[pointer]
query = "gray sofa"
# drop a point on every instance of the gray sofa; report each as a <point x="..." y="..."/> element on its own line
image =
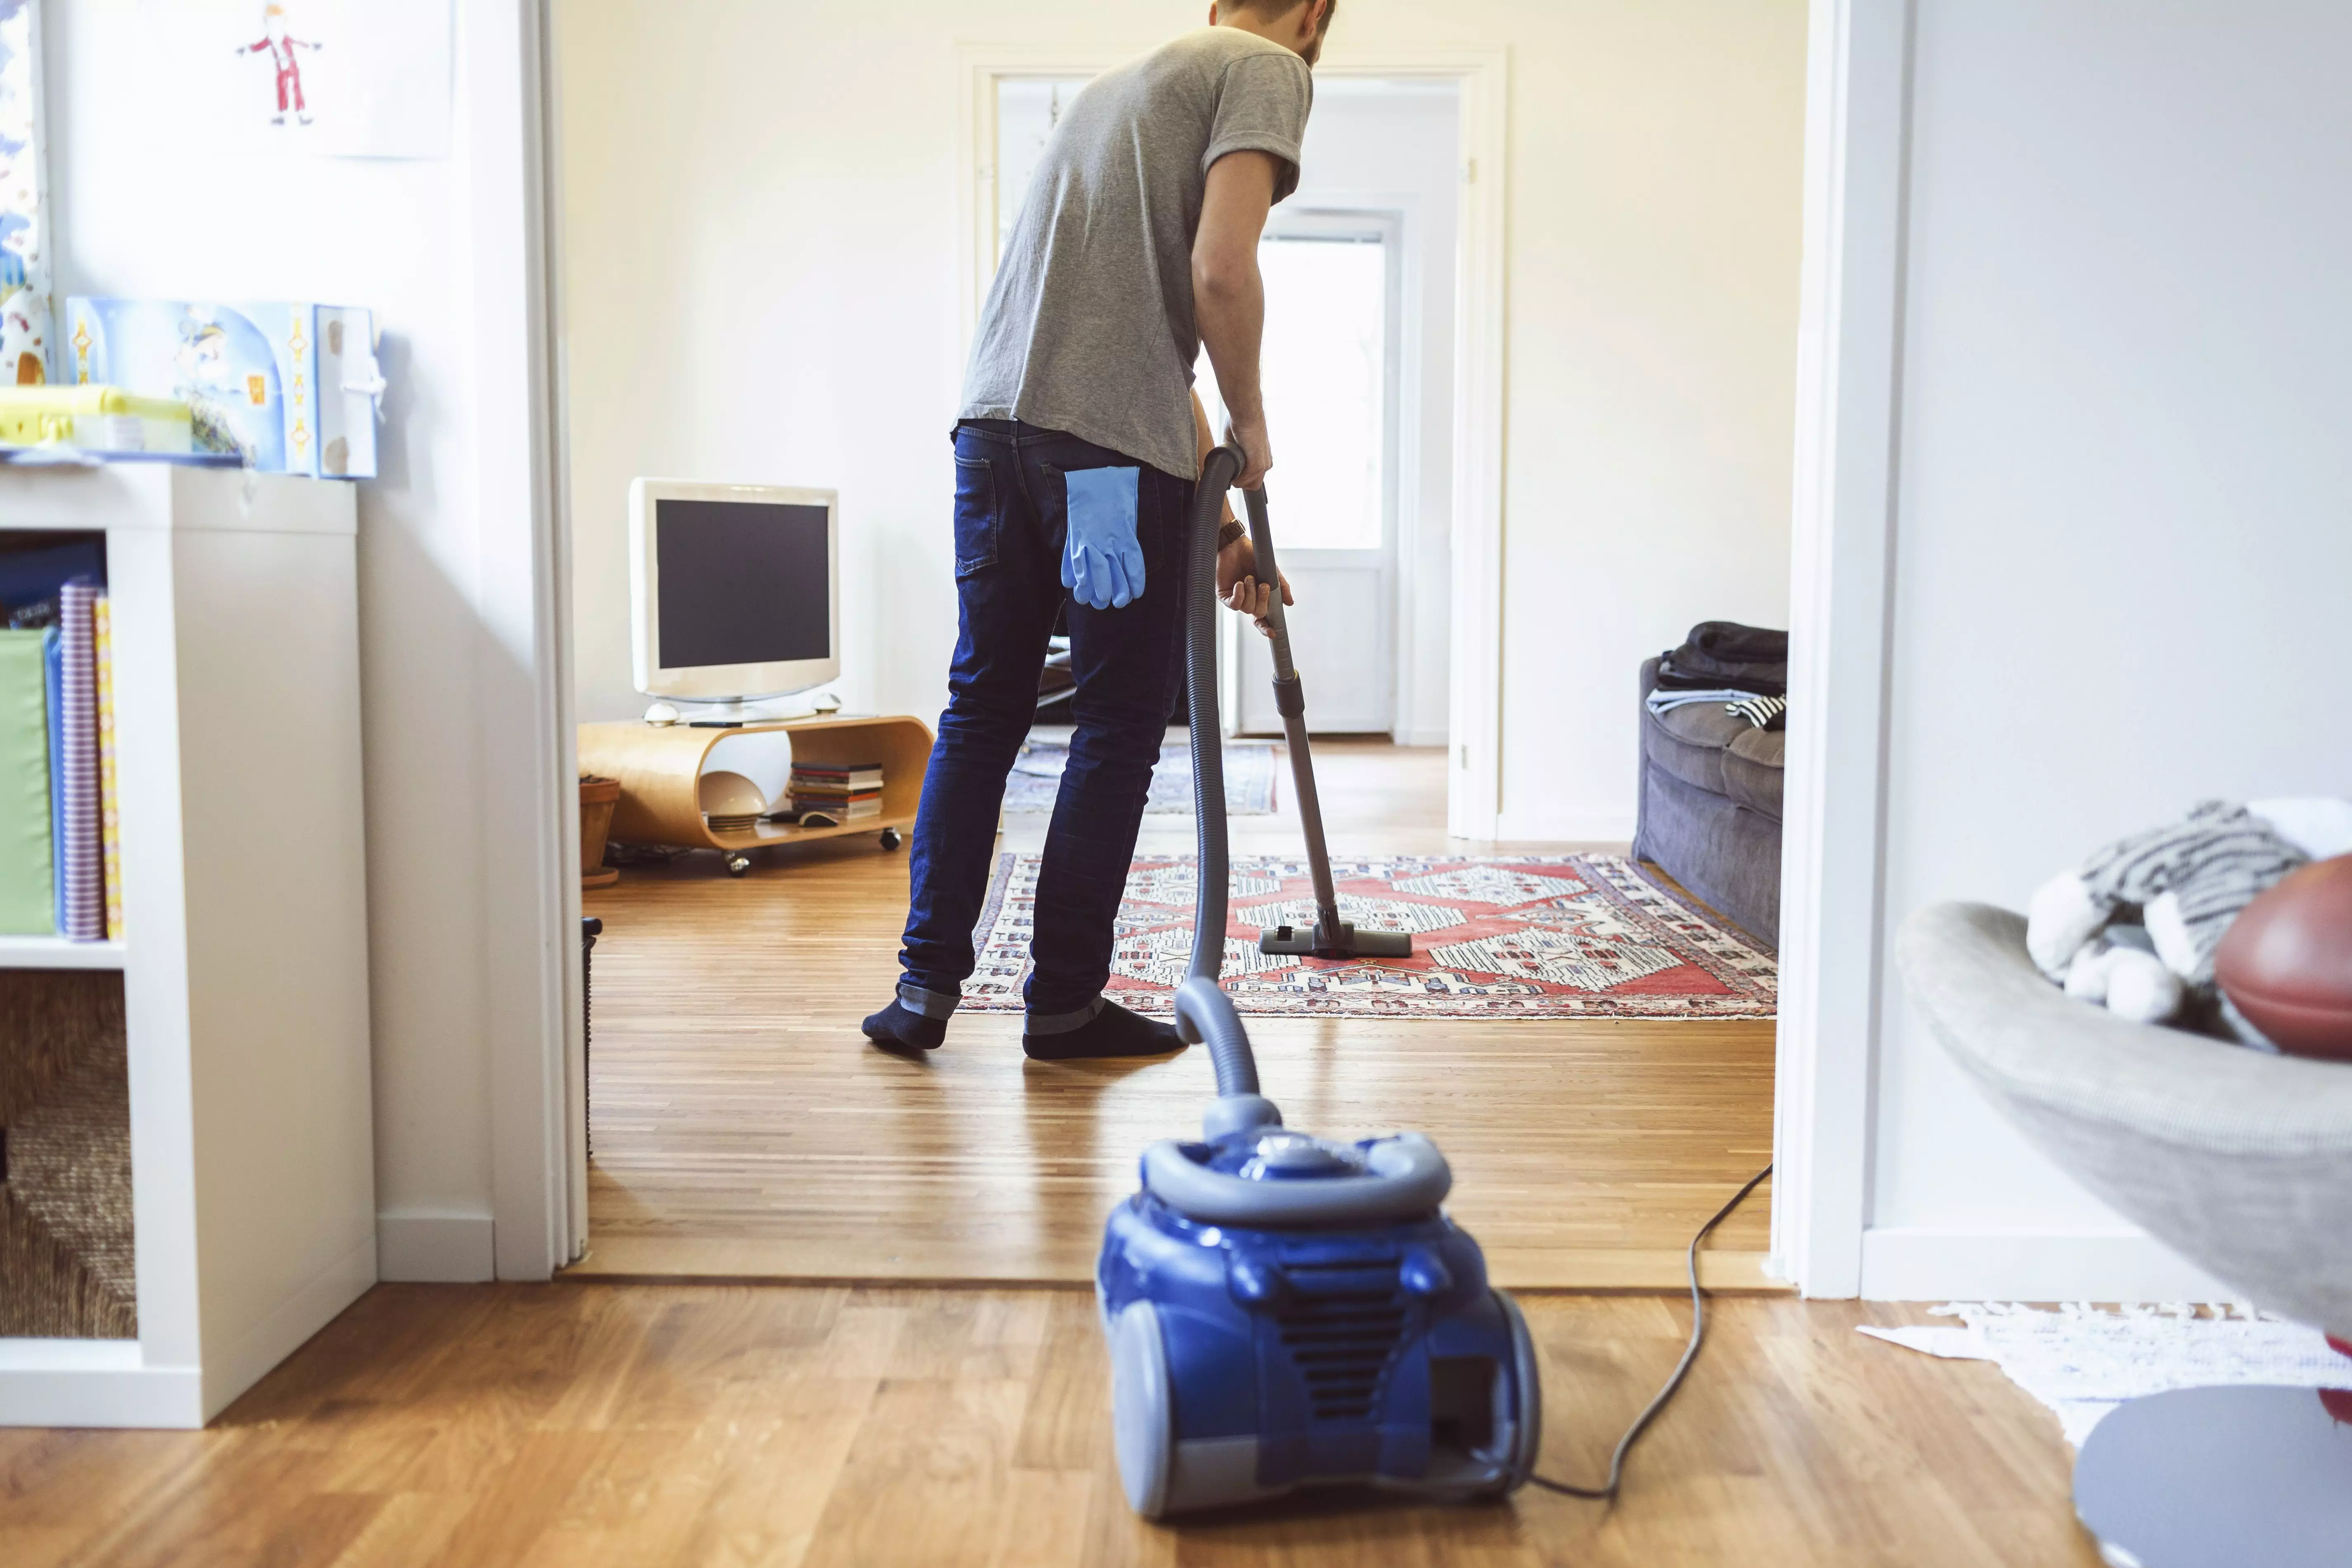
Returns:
<point x="1710" y="808"/>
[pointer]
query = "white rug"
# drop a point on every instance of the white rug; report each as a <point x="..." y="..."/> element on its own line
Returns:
<point x="2082" y="1361"/>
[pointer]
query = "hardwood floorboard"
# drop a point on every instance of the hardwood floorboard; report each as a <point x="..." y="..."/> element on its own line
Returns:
<point x="646" y="1425"/>
<point x="743" y="1128"/>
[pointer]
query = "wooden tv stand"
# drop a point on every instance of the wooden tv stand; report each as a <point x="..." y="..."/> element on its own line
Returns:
<point x="660" y="770"/>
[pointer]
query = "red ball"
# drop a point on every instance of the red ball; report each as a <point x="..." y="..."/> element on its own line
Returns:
<point x="2286" y="961"/>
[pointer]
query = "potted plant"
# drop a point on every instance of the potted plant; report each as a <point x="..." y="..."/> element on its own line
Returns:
<point x="597" y="798"/>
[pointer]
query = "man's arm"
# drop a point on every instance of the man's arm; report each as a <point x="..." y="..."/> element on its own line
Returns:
<point x="1229" y="298"/>
<point x="1204" y="442"/>
<point x="1237" y="557"/>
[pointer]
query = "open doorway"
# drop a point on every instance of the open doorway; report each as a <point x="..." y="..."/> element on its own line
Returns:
<point x="740" y="1126"/>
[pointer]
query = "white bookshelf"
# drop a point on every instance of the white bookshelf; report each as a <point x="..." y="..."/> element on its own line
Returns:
<point x="236" y="655"/>
<point x="57" y="953"/>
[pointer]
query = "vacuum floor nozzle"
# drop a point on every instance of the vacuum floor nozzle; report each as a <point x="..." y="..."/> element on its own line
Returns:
<point x="1319" y="941"/>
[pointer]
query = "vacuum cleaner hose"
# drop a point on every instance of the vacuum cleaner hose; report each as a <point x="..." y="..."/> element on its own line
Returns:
<point x="1204" y="1014"/>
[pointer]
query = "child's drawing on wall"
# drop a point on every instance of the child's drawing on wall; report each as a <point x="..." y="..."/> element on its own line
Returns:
<point x="281" y="46"/>
<point x="316" y="78"/>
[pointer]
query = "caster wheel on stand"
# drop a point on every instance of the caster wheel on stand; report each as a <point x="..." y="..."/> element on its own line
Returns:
<point x="890" y="840"/>
<point x="737" y="864"/>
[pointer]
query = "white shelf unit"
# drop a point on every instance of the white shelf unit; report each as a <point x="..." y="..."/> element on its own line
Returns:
<point x="236" y="650"/>
<point x="57" y="953"/>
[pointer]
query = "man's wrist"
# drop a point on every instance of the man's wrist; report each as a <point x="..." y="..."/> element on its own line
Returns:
<point x="1232" y="533"/>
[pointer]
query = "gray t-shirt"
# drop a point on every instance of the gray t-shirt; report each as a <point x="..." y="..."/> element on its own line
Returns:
<point x="1089" y="325"/>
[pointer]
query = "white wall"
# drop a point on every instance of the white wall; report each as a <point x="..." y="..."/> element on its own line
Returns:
<point x="142" y="216"/>
<point x="1656" y="156"/>
<point x="762" y="243"/>
<point x="2124" y="533"/>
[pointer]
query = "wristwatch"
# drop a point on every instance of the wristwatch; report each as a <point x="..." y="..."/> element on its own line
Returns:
<point x="1230" y="532"/>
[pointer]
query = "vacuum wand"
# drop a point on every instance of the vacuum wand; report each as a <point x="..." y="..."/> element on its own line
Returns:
<point x="1331" y="937"/>
<point x="1204" y="1014"/>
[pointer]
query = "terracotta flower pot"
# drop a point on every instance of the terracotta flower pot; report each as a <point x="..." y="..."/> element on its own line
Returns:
<point x="597" y="798"/>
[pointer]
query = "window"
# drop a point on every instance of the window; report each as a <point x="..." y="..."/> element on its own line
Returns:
<point x="1324" y="367"/>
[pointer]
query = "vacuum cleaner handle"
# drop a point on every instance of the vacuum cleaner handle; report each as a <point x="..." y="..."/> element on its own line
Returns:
<point x="1407" y="1177"/>
<point x="1290" y="701"/>
<point x="1204" y="1014"/>
<point x="1277" y="619"/>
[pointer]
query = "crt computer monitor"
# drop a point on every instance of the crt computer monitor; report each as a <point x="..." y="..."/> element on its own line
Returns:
<point x="735" y="590"/>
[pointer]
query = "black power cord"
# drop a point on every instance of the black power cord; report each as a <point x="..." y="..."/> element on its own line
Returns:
<point x="1607" y="1493"/>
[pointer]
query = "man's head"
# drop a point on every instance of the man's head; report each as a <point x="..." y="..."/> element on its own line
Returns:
<point x="1297" y="25"/>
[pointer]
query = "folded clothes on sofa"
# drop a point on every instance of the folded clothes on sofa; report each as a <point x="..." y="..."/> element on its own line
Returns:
<point x="1762" y="710"/>
<point x="1725" y="654"/>
<point x="1663" y="700"/>
<point x="1729" y="642"/>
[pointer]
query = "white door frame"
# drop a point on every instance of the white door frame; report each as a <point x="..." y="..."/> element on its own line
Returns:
<point x="1474" y="721"/>
<point x="1850" y="359"/>
<point x="1849" y="410"/>
<point x="530" y="845"/>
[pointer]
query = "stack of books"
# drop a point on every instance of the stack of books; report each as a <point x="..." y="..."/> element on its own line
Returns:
<point x="60" y="867"/>
<point x="839" y="791"/>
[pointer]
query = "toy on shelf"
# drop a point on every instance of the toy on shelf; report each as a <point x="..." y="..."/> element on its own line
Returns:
<point x="96" y="419"/>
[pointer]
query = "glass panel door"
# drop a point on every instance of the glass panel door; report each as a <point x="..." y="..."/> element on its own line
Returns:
<point x="1328" y="365"/>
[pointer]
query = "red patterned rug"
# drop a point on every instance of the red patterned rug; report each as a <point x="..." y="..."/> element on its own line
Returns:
<point x="1553" y="936"/>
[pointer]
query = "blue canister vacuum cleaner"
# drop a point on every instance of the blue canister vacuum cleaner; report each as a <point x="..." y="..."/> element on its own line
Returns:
<point x="1285" y="1311"/>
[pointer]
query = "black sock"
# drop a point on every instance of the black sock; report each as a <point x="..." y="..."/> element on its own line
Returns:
<point x="894" y="1026"/>
<point x="1113" y="1032"/>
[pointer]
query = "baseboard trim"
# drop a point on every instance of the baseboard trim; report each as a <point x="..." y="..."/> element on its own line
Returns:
<point x="1565" y="827"/>
<point x="94" y="1382"/>
<point x="880" y="1262"/>
<point x="1922" y="1263"/>
<point x="436" y="1248"/>
<point x="283" y="1332"/>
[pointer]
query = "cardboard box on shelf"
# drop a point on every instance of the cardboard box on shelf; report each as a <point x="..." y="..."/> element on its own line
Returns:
<point x="289" y="388"/>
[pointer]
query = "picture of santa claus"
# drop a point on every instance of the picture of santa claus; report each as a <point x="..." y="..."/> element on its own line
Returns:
<point x="281" y="47"/>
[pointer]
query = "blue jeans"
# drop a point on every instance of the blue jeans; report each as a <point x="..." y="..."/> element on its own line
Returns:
<point x="1010" y="522"/>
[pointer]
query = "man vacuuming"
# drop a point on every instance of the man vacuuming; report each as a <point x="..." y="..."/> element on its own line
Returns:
<point x="1075" y="453"/>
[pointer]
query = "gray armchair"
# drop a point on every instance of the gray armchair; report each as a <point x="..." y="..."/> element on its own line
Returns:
<point x="2240" y="1162"/>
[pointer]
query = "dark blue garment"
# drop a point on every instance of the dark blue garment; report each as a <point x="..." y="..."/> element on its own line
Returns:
<point x="1009" y="526"/>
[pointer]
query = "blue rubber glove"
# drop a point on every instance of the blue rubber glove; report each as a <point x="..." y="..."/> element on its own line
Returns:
<point x="1103" y="565"/>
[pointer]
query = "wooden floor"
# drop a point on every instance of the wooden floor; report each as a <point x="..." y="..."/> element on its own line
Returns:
<point x="743" y="1128"/>
<point x="641" y="1427"/>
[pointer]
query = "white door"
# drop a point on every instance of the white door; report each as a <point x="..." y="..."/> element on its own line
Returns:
<point x="1329" y="367"/>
